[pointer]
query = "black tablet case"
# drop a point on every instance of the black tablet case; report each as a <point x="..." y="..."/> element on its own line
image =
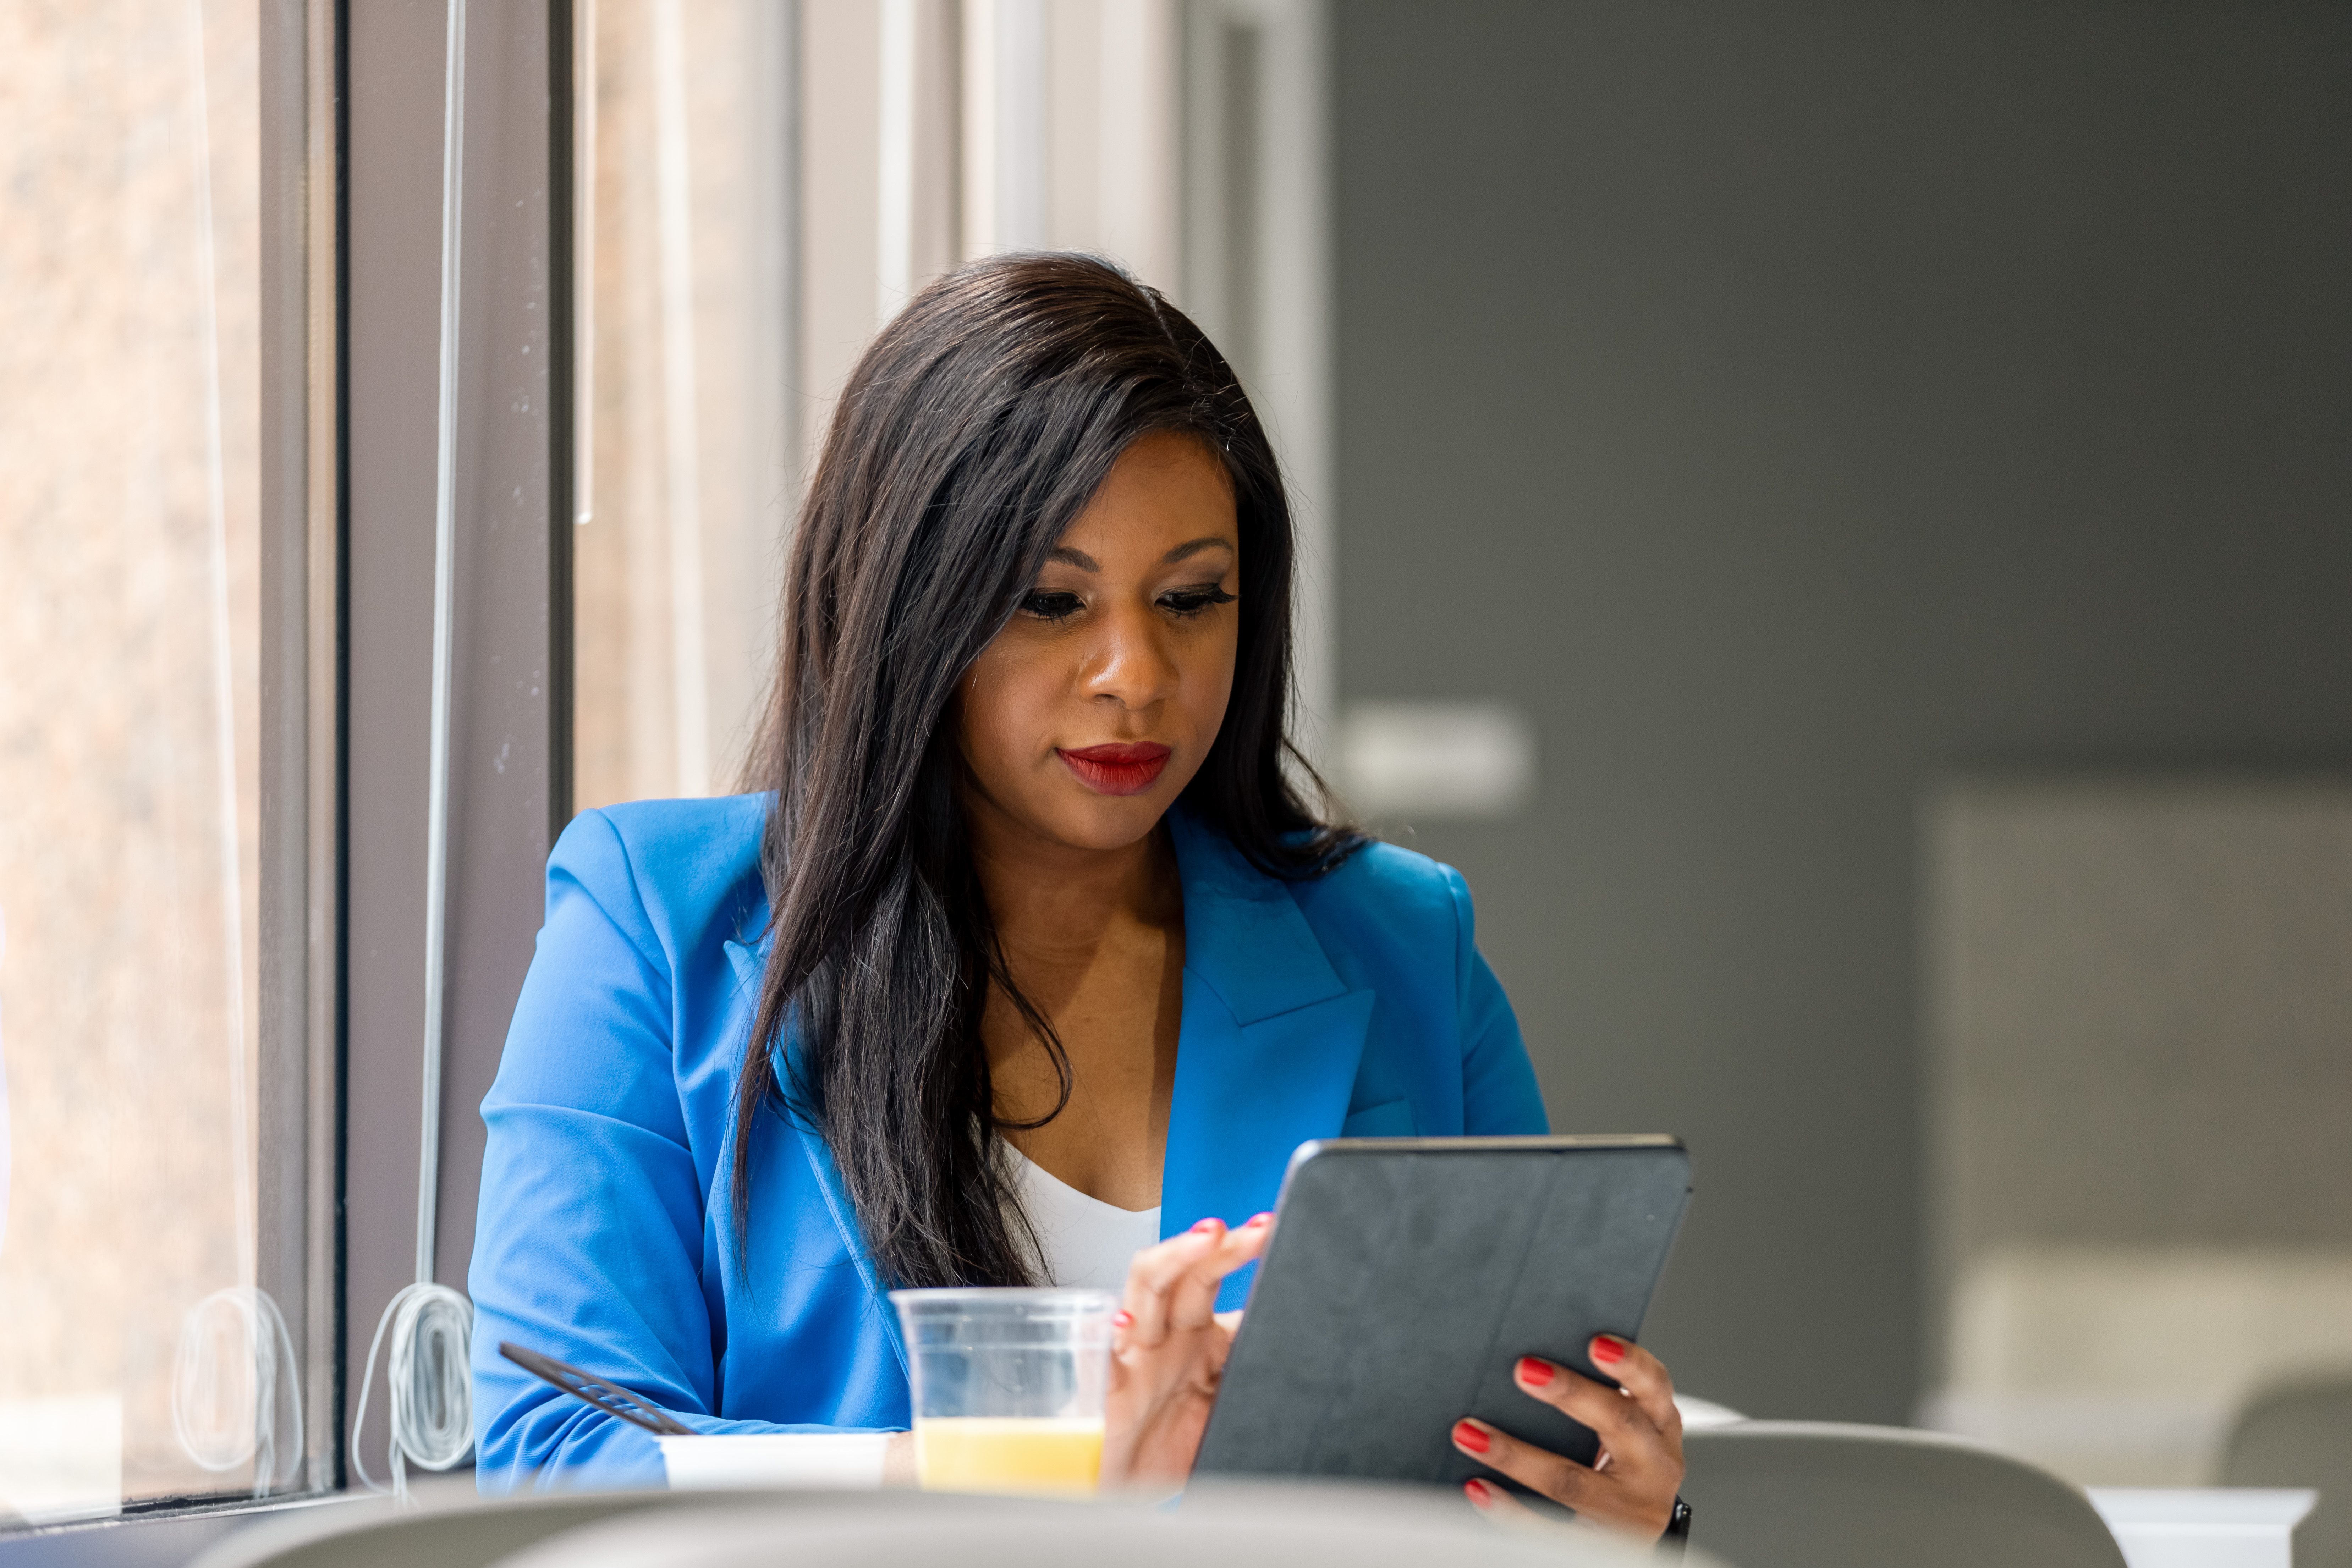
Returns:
<point x="1406" y="1278"/>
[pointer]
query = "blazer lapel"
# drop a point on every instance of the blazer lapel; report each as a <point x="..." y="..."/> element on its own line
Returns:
<point x="1269" y="1046"/>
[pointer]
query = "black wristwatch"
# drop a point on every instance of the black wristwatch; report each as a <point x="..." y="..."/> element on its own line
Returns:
<point x="1677" y="1530"/>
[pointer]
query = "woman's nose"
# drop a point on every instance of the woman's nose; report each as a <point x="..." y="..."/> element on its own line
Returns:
<point x="1131" y="664"/>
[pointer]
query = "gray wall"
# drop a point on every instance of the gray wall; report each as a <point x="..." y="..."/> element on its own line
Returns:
<point x="1787" y="405"/>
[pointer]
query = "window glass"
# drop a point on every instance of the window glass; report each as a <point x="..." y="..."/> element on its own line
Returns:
<point x="684" y="300"/>
<point x="136" y="1358"/>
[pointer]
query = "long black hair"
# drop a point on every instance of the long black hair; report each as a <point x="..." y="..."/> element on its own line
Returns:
<point x="968" y="439"/>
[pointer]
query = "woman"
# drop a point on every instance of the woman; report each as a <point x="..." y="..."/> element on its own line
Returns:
<point x="1046" y="961"/>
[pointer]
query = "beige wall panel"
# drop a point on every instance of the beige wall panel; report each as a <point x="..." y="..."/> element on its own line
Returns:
<point x="2140" y="1005"/>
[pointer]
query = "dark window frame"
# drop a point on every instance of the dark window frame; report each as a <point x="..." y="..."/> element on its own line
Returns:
<point x="511" y="724"/>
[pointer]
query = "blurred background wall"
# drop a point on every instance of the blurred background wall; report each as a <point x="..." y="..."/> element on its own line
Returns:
<point x="1781" y="410"/>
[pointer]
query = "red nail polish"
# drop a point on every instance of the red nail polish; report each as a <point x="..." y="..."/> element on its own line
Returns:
<point x="1122" y="1319"/>
<point x="1258" y="1219"/>
<point x="1208" y="1225"/>
<point x="1534" y="1373"/>
<point x="1607" y="1350"/>
<point x="1478" y="1493"/>
<point x="1471" y="1437"/>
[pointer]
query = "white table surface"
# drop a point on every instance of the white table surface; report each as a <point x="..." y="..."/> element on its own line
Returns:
<point x="2203" y="1527"/>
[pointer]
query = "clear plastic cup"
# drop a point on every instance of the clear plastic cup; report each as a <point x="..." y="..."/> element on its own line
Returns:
<point x="1008" y="1388"/>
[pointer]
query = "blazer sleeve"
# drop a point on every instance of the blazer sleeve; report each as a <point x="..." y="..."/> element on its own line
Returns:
<point x="589" y="1244"/>
<point x="1500" y="1093"/>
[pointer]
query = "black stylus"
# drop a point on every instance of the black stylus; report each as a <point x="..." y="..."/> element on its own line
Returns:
<point x="592" y="1390"/>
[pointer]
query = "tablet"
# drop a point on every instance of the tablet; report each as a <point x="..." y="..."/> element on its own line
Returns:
<point x="1406" y="1278"/>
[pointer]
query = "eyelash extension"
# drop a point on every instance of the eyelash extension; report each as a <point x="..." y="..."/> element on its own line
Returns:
<point x="1055" y="608"/>
<point x="1189" y="602"/>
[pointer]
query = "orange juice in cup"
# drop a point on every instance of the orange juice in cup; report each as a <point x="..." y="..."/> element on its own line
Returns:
<point x="1042" y="1456"/>
<point x="1008" y="1388"/>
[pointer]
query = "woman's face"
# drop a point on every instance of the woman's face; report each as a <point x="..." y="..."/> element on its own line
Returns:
<point x="1089" y="713"/>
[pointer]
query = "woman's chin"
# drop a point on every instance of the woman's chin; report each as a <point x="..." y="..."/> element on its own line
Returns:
<point x="1104" y="822"/>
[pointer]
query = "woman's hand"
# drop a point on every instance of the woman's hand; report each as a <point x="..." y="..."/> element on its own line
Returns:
<point x="1630" y="1488"/>
<point x="1168" y="1346"/>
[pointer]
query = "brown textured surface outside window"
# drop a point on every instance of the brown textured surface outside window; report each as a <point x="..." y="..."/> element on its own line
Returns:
<point x="129" y="650"/>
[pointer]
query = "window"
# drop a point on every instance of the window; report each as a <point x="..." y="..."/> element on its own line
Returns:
<point x="684" y="417"/>
<point x="154" y="1282"/>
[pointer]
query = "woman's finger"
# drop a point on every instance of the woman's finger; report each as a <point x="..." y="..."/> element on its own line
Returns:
<point x="1156" y="1300"/>
<point x="1629" y="1438"/>
<point x="1641" y="1459"/>
<point x="1192" y="1304"/>
<point x="1641" y="1374"/>
<point x="1624" y="1428"/>
<point x="1539" y="1471"/>
<point x="1152" y="1274"/>
<point x="1497" y="1503"/>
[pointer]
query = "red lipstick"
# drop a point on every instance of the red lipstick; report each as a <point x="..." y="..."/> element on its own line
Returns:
<point x="1118" y="769"/>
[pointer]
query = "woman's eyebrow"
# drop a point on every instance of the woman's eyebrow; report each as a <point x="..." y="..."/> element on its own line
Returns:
<point x="1190" y="548"/>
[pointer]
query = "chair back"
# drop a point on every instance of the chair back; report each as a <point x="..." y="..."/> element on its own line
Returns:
<point x="1804" y="1494"/>
<point x="2300" y="1435"/>
<point x="449" y="1526"/>
<point x="1226" y="1525"/>
<point x="1232" y="1524"/>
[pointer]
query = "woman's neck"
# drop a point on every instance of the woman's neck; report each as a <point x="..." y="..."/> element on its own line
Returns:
<point x="1049" y="899"/>
<point x="1093" y="942"/>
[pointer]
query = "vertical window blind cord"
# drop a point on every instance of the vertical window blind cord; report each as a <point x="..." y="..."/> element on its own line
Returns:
<point x="429" y="1379"/>
<point x="427" y="1383"/>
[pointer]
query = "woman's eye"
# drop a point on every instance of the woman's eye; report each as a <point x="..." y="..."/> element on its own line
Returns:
<point x="1192" y="601"/>
<point x="1053" y="607"/>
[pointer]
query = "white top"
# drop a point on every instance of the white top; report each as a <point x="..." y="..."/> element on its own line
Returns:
<point x="1088" y="1243"/>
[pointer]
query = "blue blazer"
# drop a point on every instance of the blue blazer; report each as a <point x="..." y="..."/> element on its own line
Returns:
<point x="1355" y="1004"/>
